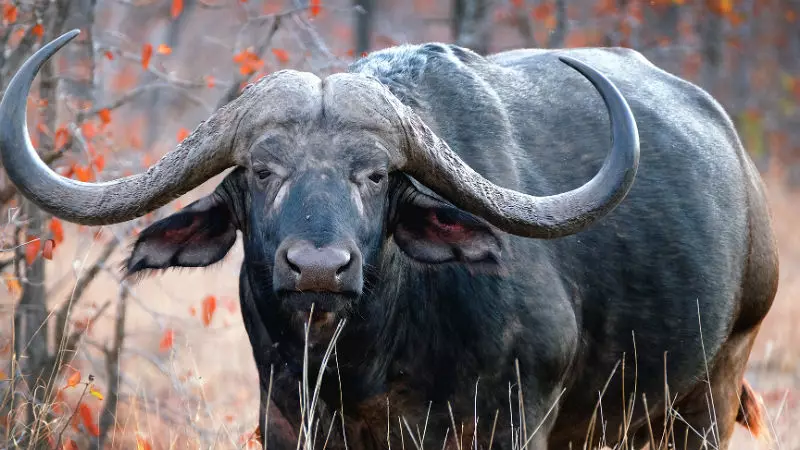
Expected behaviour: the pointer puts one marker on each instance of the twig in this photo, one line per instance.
(72, 416)
(261, 47)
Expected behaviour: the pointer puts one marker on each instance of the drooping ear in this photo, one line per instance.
(430, 230)
(197, 236)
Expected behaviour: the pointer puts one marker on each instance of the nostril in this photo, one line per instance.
(292, 266)
(291, 257)
(343, 268)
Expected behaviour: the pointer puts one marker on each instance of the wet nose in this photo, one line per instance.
(329, 268)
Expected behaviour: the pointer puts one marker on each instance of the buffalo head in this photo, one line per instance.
(328, 172)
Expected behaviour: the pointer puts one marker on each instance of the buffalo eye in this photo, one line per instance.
(263, 174)
(377, 177)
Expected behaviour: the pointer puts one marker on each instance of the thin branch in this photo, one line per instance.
(263, 44)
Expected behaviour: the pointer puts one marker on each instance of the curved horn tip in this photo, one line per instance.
(30, 67)
(56, 44)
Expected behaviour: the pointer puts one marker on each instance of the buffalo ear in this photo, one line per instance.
(430, 230)
(197, 236)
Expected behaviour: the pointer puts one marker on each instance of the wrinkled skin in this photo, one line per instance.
(446, 305)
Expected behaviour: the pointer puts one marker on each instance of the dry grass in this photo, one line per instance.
(202, 393)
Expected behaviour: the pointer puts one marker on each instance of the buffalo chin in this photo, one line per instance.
(329, 309)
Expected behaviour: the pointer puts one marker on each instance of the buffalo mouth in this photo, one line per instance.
(320, 311)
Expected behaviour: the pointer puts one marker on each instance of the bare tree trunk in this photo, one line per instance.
(31, 333)
(710, 32)
(109, 413)
(363, 18)
(472, 24)
(559, 33)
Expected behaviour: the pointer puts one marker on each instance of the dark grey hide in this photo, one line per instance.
(449, 305)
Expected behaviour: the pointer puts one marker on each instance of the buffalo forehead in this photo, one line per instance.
(360, 101)
(284, 97)
(290, 97)
(344, 113)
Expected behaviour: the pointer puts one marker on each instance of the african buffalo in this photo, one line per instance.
(395, 196)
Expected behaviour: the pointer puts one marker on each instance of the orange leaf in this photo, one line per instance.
(69, 444)
(62, 135)
(164, 49)
(12, 284)
(141, 443)
(32, 249)
(74, 379)
(177, 7)
(105, 116)
(210, 81)
(99, 162)
(88, 130)
(209, 306)
(38, 30)
(47, 251)
(183, 133)
(147, 52)
(248, 62)
(10, 13)
(109, 55)
(192, 311)
(57, 229)
(542, 11)
(88, 420)
(166, 340)
(281, 55)
(314, 8)
(83, 173)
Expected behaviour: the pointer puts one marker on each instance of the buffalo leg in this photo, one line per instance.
(707, 421)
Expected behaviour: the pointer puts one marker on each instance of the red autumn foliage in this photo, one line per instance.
(147, 53)
(88, 420)
(248, 62)
(105, 116)
(167, 340)
(99, 162)
(61, 138)
(183, 133)
(32, 249)
(74, 379)
(177, 7)
(9, 13)
(57, 230)
(314, 7)
(83, 173)
(47, 251)
(209, 306)
(88, 130)
(281, 55)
